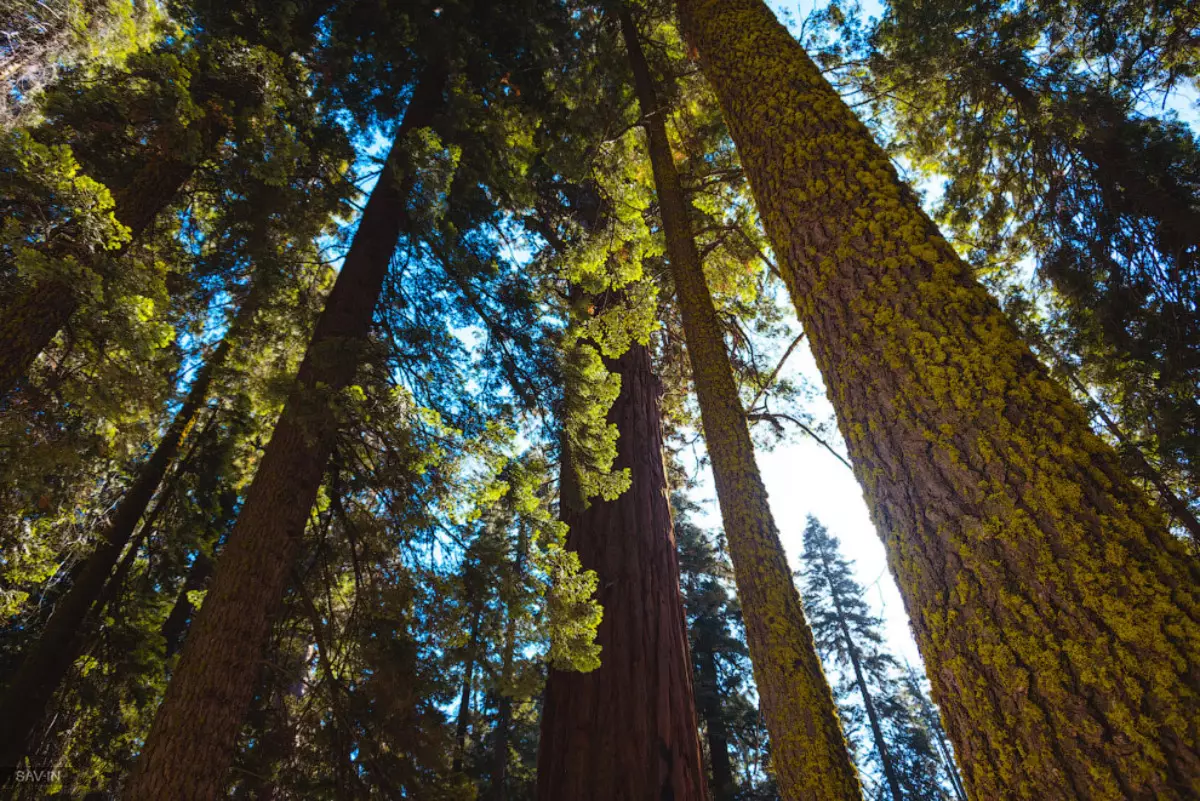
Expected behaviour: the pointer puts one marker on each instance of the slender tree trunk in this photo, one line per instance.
(627, 730)
(39, 311)
(716, 732)
(464, 702)
(889, 770)
(499, 786)
(47, 663)
(1057, 615)
(809, 752)
(934, 724)
(192, 740)
(174, 628)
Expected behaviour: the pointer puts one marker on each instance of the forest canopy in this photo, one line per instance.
(385, 391)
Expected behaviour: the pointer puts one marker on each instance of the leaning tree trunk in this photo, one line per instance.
(627, 729)
(1058, 617)
(46, 665)
(31, 319)
(192, 740)
(808, 749)
(464, 701)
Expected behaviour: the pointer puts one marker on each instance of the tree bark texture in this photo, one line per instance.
(1058, 617)
(192, 740)
(808, 750)
(627, 730)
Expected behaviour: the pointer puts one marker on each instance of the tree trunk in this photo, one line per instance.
(627, 730)
(809, 752)
(717, 733)
(499, 785)
(464, 702)
(889, 770)
(192, 740)
(174, 628)
(1058, 617)
(37, 313)
(48, 661)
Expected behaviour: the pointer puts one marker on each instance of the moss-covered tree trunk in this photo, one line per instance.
(32, 318)
(628, 728)
(1058, 617)
(192, 740)
(808, 750)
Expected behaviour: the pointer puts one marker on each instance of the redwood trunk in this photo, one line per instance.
(627, 730)
(192, 740)
(1057, 615)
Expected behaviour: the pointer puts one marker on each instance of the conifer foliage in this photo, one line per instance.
(363, 362)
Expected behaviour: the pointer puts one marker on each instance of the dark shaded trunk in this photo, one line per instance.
(627, 730)
(708, 693)
(48, 661)
(1057, 615)
(464, 701)
(191, 742)
(174, 628)
(38, 312)
(499, 784)
(809, 751)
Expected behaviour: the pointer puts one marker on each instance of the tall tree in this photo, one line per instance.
(191, 743)
(45, 665)
(809, 753)
(848, 635)
(1026, 558)
(628, 728)
(204, 85)
(1040, 122)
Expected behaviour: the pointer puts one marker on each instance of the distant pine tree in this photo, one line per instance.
(900, 747)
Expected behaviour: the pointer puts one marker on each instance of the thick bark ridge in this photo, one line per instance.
(192, 740)
(1057, 616)
(627, 730)
(808, 750)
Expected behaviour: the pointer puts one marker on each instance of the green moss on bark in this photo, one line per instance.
(1058, 617)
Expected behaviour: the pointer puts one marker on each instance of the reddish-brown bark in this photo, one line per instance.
(627, 730)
